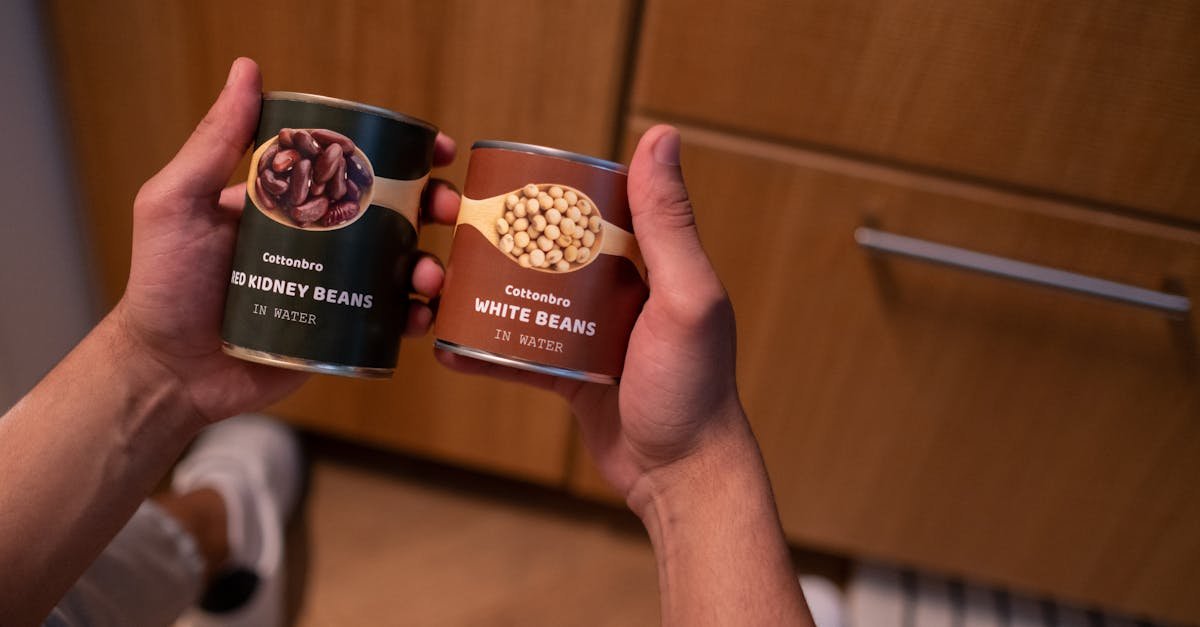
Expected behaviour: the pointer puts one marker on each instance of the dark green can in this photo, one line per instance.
(328, 237)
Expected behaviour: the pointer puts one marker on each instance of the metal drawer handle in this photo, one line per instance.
(892, 244)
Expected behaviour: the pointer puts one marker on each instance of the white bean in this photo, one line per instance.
(507, 243)
(521, 239)
(537, 258)
(589, 238)
(524, 261)
(510, 201)
(530, 191)
(539, 223)
(520, 224)
(554, 216)
(552, 231)
(556, 192)
(501, 226)
(562, 266)
(545, 243)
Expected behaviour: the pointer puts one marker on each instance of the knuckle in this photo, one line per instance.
(705, 308)
(149, 195)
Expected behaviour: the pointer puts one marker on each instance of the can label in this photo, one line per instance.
(327, 237)
(544, 267)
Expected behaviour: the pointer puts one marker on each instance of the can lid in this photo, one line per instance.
(347, 104)
(553, 152)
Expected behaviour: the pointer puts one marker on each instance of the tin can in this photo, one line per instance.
(544, 271)
(328, 236)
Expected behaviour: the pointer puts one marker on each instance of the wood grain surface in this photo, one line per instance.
(1097, 100)
(972, 425)
(137, 75)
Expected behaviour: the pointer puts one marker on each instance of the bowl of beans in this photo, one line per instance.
(312, 179)
(549, 227)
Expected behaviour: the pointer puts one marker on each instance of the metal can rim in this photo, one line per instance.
(304, 365)
(296, 96)
(604, 164)
(524, 364)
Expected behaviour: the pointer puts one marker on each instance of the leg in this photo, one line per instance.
(232, 493)
(148, 575)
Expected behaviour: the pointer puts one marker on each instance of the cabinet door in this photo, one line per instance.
(1092, 99)
(973, 425)
(137, 75)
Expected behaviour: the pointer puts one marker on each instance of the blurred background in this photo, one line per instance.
(946, 447)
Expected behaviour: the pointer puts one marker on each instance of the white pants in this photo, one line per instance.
(147, 576)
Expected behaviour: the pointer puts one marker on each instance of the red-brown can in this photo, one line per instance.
(544, 271)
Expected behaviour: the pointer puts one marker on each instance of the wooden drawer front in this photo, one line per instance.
(428, 410)
(970, 424)
(1092, 99)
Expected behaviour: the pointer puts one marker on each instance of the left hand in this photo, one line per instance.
(184, 229)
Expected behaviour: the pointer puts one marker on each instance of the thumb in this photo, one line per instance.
(663, 220)
(205, 163)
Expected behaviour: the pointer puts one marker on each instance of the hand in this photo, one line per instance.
(184, 229)
(677, 393)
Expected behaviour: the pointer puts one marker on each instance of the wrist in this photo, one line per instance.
(144, 378)
(724, 465)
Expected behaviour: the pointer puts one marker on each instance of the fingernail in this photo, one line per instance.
(234, 70)
(666, 149)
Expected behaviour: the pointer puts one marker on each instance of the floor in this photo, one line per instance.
(391, 541)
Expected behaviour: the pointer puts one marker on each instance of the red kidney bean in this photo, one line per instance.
(327, 163)
(284, 160)
(341, 212)
(305, 143)
(272, 183)
(317, 189)
(298, 185)
(352, 192)
(336, 187)
(285, 137)
(268, 155)
(326, 137)
(310, 211)
(358, 171)
(264, 198)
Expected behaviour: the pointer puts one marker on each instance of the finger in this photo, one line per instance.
(476, 367)
(444, 148)
(233, 198)
(420, 318)
(662, 213)
(214, 150)
(440, 202)
(428, 276)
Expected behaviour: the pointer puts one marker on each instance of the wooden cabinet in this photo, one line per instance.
(1086, 99)
(1014, 434)
(138, 75)
(968, 424)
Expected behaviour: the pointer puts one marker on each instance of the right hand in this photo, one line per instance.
(677, 397)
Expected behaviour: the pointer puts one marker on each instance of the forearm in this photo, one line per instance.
(722, 558)
(80, 452)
